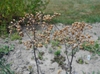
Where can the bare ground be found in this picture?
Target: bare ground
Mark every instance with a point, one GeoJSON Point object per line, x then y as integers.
{"type": "Point", "coordinates": [22, 60]}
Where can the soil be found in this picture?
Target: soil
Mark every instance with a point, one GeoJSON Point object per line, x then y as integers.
{"type": "Point", "coordinates": [22, 59]}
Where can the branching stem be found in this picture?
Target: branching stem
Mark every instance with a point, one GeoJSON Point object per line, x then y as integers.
{"type": "Point", "coordinates": [71, 61]}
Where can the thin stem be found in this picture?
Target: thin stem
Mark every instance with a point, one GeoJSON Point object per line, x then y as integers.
{"type": "Point", "coordinates": [71, 62]}
{"type": "Point", "coordinates": [36, 60]}
{"type": "Point", "coordinates": [67, 54]}
{"type": "Point", "coordinates": [34, 51]}
{"type": "Point", "coordinates": [28, 36]}
{"type": "Point", "coordinates": [35, 55]}
{"type": "Point", "coordinates": [57, 27]}
{"type": "Point", "coordinates": [72, 56]}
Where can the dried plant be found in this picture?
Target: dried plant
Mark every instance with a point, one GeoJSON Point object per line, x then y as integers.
{"type": "Point", "coordinates": [31, 24]}
{"type": "Point", "coordinates": [73, 35]}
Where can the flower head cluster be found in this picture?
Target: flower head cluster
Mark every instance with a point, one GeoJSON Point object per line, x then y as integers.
{"type": "Point", "coordinates": [34, 23]}
{"type": "Point", "coordinates": [73, 34]}
{"type": "Point", "coordinates": [41, 31]}
{"type": "Point", "coordinates": [49, 17]}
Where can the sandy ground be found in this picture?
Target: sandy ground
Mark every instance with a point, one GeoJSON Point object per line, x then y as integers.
{"type": "Point", "coordinates": [22, 60]}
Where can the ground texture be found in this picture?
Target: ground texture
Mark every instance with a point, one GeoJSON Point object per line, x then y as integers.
{"type": "Point", "coordinates": [22, 60]}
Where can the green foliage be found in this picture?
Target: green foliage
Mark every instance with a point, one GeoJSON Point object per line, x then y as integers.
{"type": "Point", "coordinates": [30, 69]}
{"type": "Point", "coordinates": [5, 49]}
{"type": "Point", "coordinates": [20, 42]}
{"type": "Point", "coordinates": [15, 36]}
{"type": "Point", "coordinates": [80, 61]}
{"type": "Point", "coordinates": [77, 10]}
{"type": "Point", "coordinates": [40, 55]}
{"type": "Point", "coordinates": [13, 9]}
{"type": "Point", "coordinates": [61, 61]}
{"type": "Point", "coordinates": [55, 43]}
{"type": "Point", "coordinates": [3, 29]}
{"type": "Point", "coordinates": [6, 40]}
{"type": "Point", "coordinates": [93, 72]}
{"type": "Point", "coordinates": [36, 5]}
{"type": "Point", "coordinates": [99, 38]}
{"type": "Point", "coordinates": [58, 52]}
{"type": "Point", "coordinates": [5, 68]}
{"type": "Point", "coordinates": [95, 48]}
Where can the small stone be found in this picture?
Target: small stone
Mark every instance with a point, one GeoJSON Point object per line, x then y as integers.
{"type": "Point", "coordinates": [88, 57]}
{"type": "Point", "coordinates": [52, 69]}
{"type": "Point", "coordinates": [18, 51]}
{"type": "Point", "coordinates": [27, 63]}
